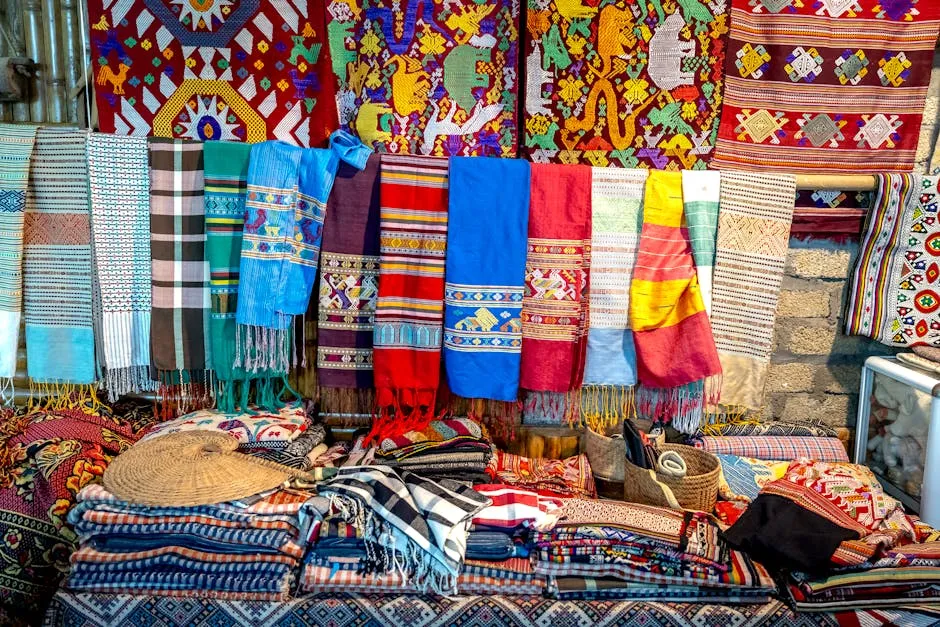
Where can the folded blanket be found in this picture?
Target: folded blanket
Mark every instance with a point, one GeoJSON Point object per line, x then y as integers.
{"type": "Point", "coordinates": [567, 477]}
{"type": "Point", "coordinates": [771, 447]}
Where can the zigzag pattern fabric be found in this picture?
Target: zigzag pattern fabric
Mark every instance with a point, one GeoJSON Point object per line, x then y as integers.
{"type": "Point", "coordinates": [409, 314]}
{"type": "Point", "coordinates": [57, 280]}
{"type": "Point", "coordinates": [751, 251]}
{"type": "Point", "coordinates": [16, 146]}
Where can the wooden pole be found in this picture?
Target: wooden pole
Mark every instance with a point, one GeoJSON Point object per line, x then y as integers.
{"type": "Point", "coordinates": [841, 182]}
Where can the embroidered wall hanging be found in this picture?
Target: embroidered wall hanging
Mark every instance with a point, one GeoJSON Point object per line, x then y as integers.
{"type": "Point", "coordinates": [630, 84]}
{"type": "Point", "coordinates": [826, 86]}
{"type": "Point", "coordinates": [233, 70]}
{"type": "Point", "coordinates": [423, 77]}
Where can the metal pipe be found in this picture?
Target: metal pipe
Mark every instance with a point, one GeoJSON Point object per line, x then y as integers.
{"type": "Point", "coordinates": [15, 23]}
{"type": "Point", "coordinates": [54, 64]}
{"type": "Point", "coordinates": [33, 36]}
{"type": "Point", "coordinates": [75, 58]}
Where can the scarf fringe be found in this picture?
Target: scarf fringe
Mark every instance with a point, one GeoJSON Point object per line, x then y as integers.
{"type": "Point", "coordinates": [60, 395]}
{"type": "Point", "coordinates": [131, 380]}
{"type": "Point", "coordinates": [683, 406]}
{"type": "Point", "coordinates": [184, 391]}
{"type": "Point", "coordinates": [562, 408]}
{"type": "Point", "coordinates": [260, 349]}
{"type": "Point", "coordinates": [401, 411]}
{"type": "Point", "coordinates": [606, 406]}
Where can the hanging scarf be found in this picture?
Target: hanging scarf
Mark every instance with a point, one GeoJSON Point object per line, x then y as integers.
{"type": "Point", "coordinates": [349, 275]}
{"type": "Point", "coordinates": [57, 291]}
{"type": "Point", "coordinates": [894, 290]}
{"type": "Point", "coordinates": [120, 227]}
{"type": "Point", "coordinates": [674, 344]}
{"type": "Point", "coordinates": [700, 201]}
{"type": "Point", "coordinates": [179, 318]}
{"type": "Point", "coordinates": [616, 218]}
{"type": "Point", "coordinates": [486, 250]}
{"type": "Point", "coordinates": [410, 310]}
{"type": "Point", "coordinates": [16, 146]}
{"type": "Point", "coordinates": [555, 305]}
{"type": "Point", "coordinates": [753, 236]}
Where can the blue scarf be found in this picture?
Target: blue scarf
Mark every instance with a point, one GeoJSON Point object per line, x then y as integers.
{"type": "Point", "coordinates": [486, 254]}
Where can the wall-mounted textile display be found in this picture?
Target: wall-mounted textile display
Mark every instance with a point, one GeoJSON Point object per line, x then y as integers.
{"type": "Point", "coordinates": [430, 78]}
{"type": "Point", "coordinates": [895, 296]}
{"type": "Point", "coordinates": [242, 70]}
{"type": "Point", "coordinates": [57, 281]}
{"type": "Point", "coordinates": [120, 226]}
{"type": "Point", "coordinates": [830, 214]}
{"type": "Point", "coordinates": [630, 84]}
{"type": "Point", "coordinates": [16, 146]}
{"type": "Point", "coordinates": [826, 86]}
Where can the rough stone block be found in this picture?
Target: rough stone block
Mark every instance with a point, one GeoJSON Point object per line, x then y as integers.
{"type": "Point", "coordinates": [819, 264]}
{"type": "Point", "coordinates": [811, 340]}
{"type": "Point", "coordinates": [803, 304]}
{"type": "Point", "coordinates": [793, 377]}
{"type": "Point", "coordinates": [840, 379]}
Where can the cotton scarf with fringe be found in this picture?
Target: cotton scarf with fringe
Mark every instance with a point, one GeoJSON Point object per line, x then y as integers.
{"type": "Point", "coordinates": [700, 200]}
{"type": "Point", "coordinates": [120, 225]}
{"type": "Point", "coordinates": [411, 526]}
{"type": "Point", "coordinates": [751, 251]}
{"type": "Point", "coordinates": [674, 345]}
{"type": "Point", "coordinates": [16, 146]}
{"type": "Point", "coordinates": [616, 219]}
{"type": "Point", "coordinates": [555, 304]}
{"type": "Point", "coordinates": [410, 311]}
{"type": "Point", "coordinates": [57, 283]}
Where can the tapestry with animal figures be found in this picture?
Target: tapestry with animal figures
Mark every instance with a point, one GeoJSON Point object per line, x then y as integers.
{"type": "Point", "coordinates": [826, 86]}
{"type": "Point", "coordinates": [234, 70]}
{"type": "Point", "coordinates": [430, 78]}
{"type": "Point", "coordinates": [630, 84]}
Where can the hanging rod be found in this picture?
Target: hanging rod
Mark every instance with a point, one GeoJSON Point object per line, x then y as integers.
{"type": "Point", "coordinates": [841, 182]}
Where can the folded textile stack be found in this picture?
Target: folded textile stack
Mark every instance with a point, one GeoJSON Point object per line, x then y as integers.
{"type": "Point", "coordinates": [774, 440]}
{"type": "Point", "coordinates": [242, 550]}
{"type": "Point", "coordinates": [617, 550]}
{"type": "Point", "coordinates": [389, 530]}
{"type": "Point", "coordinates": [570, 477]}
{"type": "Point", "coordinates": [455, 448]}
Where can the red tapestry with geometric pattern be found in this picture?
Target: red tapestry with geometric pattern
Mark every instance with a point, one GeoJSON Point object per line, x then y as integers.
{"type": "Point", "coordinates": [826, 85]}
{"type": "Point", "coordinates": [235, 70]}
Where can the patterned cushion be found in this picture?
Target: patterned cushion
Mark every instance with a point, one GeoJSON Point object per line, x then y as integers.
{"type": "Point", "coordinates": [742, 477]}
{"type": "Point", "coordinates": [259, 429]}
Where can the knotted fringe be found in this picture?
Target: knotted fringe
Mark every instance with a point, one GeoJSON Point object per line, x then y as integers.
{"type": "Point", "coordinates": [184, 391]}
{"type": "Point", "coordinates": [7, 391]}
{"type": "Point", "coordinates": [121, 381]}
{"type": "Point", "coordinates": [683, 406]}
{"type": "Point", "coordinates": [721, 417]}
{"type": "Point", "coordinates": [59, 395]}
{"type": "Point", "coordinates": [605, 406]}
{"type": "Point", "coordinates": [260, 349]}
{"type": "Point", "coordinates": [553, 408]}
{"type": "Point", "coordinates": [347, 402]}
{"type": "Point", "coordinates": [390, 551]}
{"type": "Point", "coordinates": [241, 395]}
{"type": "Point", "coordinates": [401, 411]}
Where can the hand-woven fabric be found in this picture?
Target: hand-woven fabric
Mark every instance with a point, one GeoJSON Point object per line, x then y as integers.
{"type": "Point", "coordinates": [57, 282]}
{"type": "Point", "coordinates": [773, 427]}
{"type": "Point", "coordinates": [349, 278]}
{"type": "Point", "coordinates": [743, 477]}
{"type": "Point", "coordinates": [226, 174]}
{"type": "Point", "coordinates": [120, 226]}
{"type": "Point", "coordinates": [410, 310]}
{"type": "Point", "coordinates": [254, 429]}
{"type": "Point", "coordinates": [895, 295]}
{"type": "Point", "coordinates": [179, 322]}
{"type": "Point", "coordinates": [486, 266]}
{"type": "Point", "coordinates": [570, 477]}
{"type": "Point", "coordinates": [16, 146]}
{"type": "Point", "coordinates": [832, 86]}
{"type": "Point", "coordinates": [700, 203]}
{"type": "Point", "coordinates": [630, 84]}
{"type": "Point", "coordinates": [511, 508]}
{"type": "Point", "coordinates": [830, 214]}
{"type": "Point", "coordinates": [419, 77]}
{"type": "Point", "coordinates": [438, 435]}
{"type": "Point", "coordinates": [915, 587]}
{"type": "Point", "coordinates": [774, 447]}
{"type": "Point", "coordinates": [674, 344]}
{"type": "Point", "coordinates": [753, 228]}
{"type": "Point", "coordinates": [555, 303]}
{"type": "Point", "coordinates": [233, 70]}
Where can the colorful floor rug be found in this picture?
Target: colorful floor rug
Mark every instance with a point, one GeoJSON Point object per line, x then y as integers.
{"type": "Point", "coordinates": [895, 295]}
{"type": "Point", "coordinates": [830, 86]}
{"type": "Point", "coordinates": [634, 84]}
{"type": "Point", "coordinates": [430, 78]}
{"type": "Point", "coordinates": [235, 70]}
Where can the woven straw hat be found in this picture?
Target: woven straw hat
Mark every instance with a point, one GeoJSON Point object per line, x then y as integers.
{"type": "Point", "coordinates": [191, 468]}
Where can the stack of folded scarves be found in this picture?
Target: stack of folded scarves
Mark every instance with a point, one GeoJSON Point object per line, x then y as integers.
{"type": "Point", "coordinates": [616, 550]}
{"type": "Point", "coordinates": [570, 477]}
{"type": "Point", "coordinates": [240, 551]}
{"type": "Point", "coordinates": [453, 448]}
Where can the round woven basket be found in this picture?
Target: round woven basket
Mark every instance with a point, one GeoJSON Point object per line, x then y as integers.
{"type": "Point", "coordinates": [606, 455]}
{"type": "Point", "coordinates": [698, 490]}
{"type": "Point", "coordinates": [190, 468]}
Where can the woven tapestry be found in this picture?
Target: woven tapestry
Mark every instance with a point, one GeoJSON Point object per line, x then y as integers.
{"type": "Point", "coordinates": [753, 228]}
{"type": "Point", "coordinates": [57, 288]}
{"type": "Point", "coordinates": [826, 86]}
{"type": "Point", "coordinates": [630, 84]}
{"type": "Point", "coordinates": [895, 295]}
{"type": "Point", "coordinates": [830, 214]}
{"type": "Point", "coordinates": [16, 146]}
{"type": "Point", "coordinates": [232, 70]}
{"type": "Point", "coordinates": [120, 226]}
{"type": "Point", "coordinates": [424, 77]}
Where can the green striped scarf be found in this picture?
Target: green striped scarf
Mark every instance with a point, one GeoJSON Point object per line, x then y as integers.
{"type": "Point", "coordinates": [700, 196]}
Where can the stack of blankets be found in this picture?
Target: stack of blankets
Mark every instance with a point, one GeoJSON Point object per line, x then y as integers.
{"type": "Point", "coordinates": [454, 448]}
{"type": "Point", "coordinates": [772, 441]}
{"type": "Point", "coordinates": [246, 550]}
{"type": "Point", "coordinates": [617, 550]}
{"type": "Point", "coordinates": [571, 477]}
